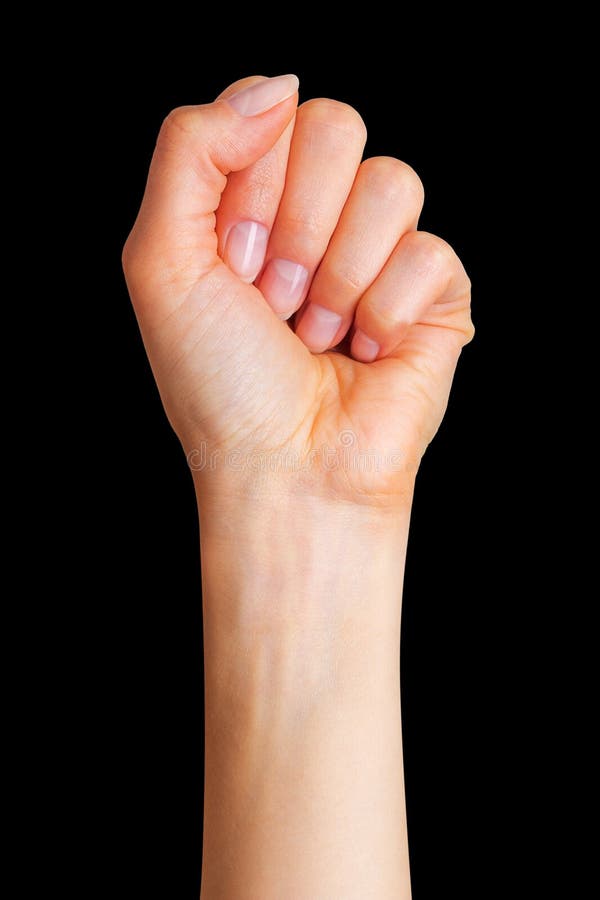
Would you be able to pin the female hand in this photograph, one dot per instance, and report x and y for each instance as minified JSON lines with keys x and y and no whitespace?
{"x":304,"y":434}
{"x":255,"y":210}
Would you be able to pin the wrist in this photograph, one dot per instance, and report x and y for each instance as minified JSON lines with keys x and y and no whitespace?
{"x":269,"y":540}
{"x":300,"y":591}
{"x":342,"y":471}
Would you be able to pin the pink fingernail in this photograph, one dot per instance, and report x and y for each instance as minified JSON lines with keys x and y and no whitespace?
{"x":282,"y":285}
{"x":245,"y":249}
{"x":318,"y":327}
{"x":363,"y":348}
{"x":263,"y":95}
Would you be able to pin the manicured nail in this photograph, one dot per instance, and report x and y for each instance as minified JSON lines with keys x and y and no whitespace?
{"x":363,"y":348}
{"x":245,"y":249}
{"x":282,"y":284}
{"x":318,"y":327}
{"x":263,"y":95}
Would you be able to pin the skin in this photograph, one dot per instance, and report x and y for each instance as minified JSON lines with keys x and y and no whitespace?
{"x":302,"y":549}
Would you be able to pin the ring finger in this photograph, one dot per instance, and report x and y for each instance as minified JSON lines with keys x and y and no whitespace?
{"x":385,"y":203}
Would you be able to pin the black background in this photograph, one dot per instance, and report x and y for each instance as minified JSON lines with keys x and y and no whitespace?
{"x":142,"y":639}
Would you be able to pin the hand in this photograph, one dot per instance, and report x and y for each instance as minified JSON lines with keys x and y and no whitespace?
{"x":255,"y":211}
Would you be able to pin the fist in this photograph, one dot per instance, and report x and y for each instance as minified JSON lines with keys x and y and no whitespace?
{"x":289,"y":305}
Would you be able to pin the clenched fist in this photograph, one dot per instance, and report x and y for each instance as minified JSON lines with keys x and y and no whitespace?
{"x":285,"y":295}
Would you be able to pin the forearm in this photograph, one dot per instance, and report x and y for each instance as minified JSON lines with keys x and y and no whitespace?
{"x":304,"y":784}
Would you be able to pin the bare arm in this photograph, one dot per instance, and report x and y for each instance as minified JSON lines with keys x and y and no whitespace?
{"x":304,"y":784}
{"x":303,"y":335}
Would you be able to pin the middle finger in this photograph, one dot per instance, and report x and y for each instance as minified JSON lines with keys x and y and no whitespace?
{"x":326,"y":150}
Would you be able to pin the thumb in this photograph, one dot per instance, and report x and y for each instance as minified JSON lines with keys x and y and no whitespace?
{"x":173,"y":240}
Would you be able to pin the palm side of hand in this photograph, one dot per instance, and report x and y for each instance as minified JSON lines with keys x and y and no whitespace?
{"x":331,"y":236}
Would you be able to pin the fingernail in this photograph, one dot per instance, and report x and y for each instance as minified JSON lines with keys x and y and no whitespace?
{"x":282,"y":285}
{"x":318,"y":327}
{"x":263,"y":95}
{"x":245,"y":249}
{"x":363,"y":348}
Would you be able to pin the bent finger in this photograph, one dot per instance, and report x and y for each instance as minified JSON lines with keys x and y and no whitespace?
{"x":385,"y":202}
{"x":422,"y":272}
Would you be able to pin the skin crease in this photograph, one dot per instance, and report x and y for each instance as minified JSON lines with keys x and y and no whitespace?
{"x":302,"y":565}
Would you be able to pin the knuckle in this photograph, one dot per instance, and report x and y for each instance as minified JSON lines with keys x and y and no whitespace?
{"x":260,"y":186}
{"x":301,"y":224}
{"x":432,"y":253}
{"x":336,"y":115}
{"x":380,"y":319}
{"x":180,"y":121}
{"x":392,"y":180}
{"x":346,"y":277}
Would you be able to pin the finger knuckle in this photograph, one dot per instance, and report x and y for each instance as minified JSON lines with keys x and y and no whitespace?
{"x":431,"y":253}
{"x":336,"y":115}
{"x":178,"y":122}
{"x":393,"y":180}
{"x":260,"y":186}
{"x":346,"y":277}
{"x":302,"y":225}
{"x":380,"y":318}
